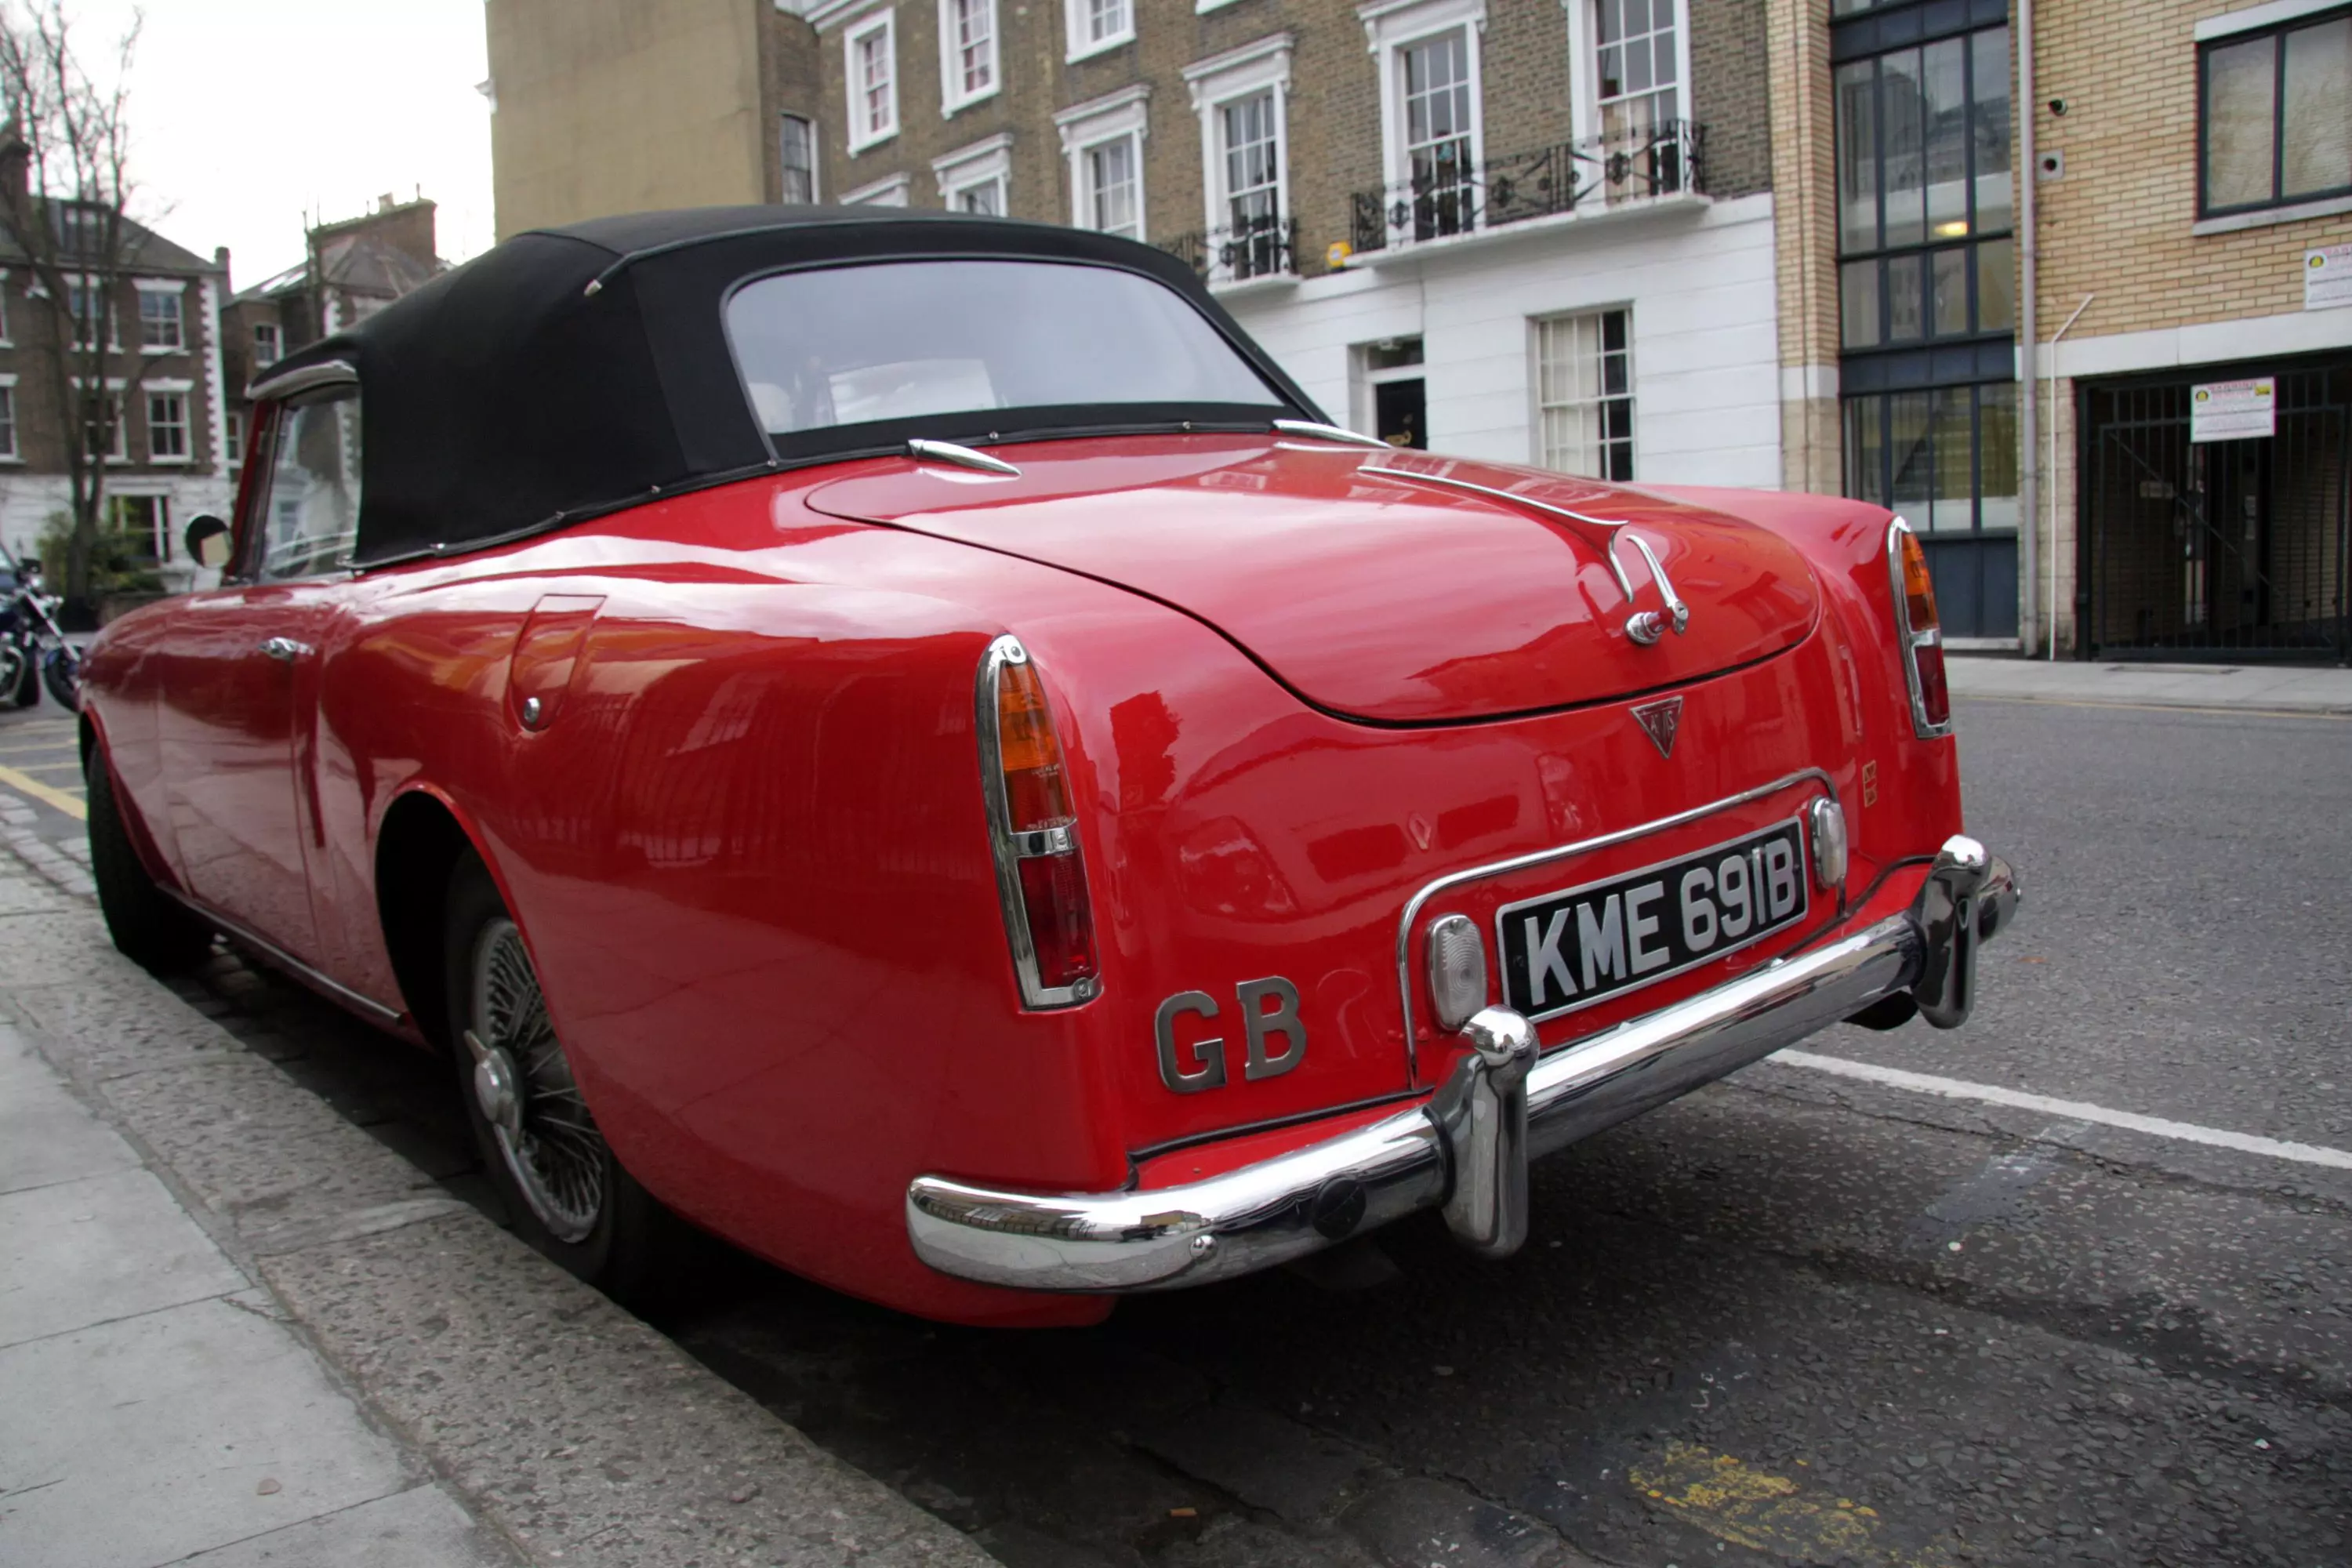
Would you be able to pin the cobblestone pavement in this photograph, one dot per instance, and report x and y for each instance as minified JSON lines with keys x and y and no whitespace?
{"x":1796,"y":1318}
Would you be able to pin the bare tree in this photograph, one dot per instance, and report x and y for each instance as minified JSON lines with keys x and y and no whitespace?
{"x":64,"y":187}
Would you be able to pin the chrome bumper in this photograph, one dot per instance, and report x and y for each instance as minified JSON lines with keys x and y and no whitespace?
{"x":1467,"y":1147}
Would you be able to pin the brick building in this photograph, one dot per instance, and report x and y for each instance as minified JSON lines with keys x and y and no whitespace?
{"x":1521,"y":229}
{"x":2175,"y":169}
{"x":161,"y":313}
{"x":349,"y":270}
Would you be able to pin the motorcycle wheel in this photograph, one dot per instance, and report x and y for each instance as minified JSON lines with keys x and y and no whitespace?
{"x":25,"y":691}
{"x":61,"y":673}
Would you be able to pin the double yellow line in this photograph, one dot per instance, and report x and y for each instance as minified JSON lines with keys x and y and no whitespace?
{"x":47,"y":794}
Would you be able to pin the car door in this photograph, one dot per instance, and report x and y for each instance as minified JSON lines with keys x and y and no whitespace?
{"x":241,"y":689}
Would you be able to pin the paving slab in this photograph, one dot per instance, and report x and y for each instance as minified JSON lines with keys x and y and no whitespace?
{"x":146,"y":1439}
{"x":420,"y":1528}
{"x":46,"y":1136}
{"x":108,"y":1247}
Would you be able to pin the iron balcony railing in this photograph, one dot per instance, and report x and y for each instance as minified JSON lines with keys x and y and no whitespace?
{"x":1449,"y":195}
{"x":1250,"y":247}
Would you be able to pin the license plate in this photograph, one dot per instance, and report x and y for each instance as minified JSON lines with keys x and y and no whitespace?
{"x":1569,"y":950}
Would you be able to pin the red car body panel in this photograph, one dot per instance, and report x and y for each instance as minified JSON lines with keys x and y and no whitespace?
{"x":746,"y":842}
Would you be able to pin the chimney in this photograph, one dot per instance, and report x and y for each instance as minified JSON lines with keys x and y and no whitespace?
{"x":220,"y":260}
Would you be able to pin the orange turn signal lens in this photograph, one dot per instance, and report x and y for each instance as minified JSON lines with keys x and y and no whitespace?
{"x":1918,"y":589}
{"x":1041,"y":874}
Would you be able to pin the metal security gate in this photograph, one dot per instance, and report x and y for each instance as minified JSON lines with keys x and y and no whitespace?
{"x":2222,"y":549}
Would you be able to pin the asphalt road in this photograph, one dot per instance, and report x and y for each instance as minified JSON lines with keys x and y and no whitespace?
{"x":1798,"y":1317}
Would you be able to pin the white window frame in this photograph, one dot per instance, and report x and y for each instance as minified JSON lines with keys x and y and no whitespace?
{"x":174,"y":288}
{"x":889,"y":191}
{"x":185,"y":391}
{"x":952,"y":96}
{"x":14,"y":452}
{"x":1255,"y":67}
{"x":1537,"y":454}
{"x":7,"y":338}
{"x":1075,"y":19}
{"x":861,"y":135}
{"x":233,"y":439}
{"x":985,"y":162}
{"x":1584,"y":63}
{"x":277,"y":331}
{"x":1124,"y":114}
{"x":1389,"y":26}
{"x":115,"y":387}
{"x":85,"y":282}
{"x":1202,"y":7}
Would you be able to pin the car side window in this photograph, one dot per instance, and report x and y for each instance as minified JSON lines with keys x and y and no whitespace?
{"x":309,"y":515}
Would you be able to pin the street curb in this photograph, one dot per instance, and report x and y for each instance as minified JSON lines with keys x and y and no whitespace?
{"x":571,"y":1429}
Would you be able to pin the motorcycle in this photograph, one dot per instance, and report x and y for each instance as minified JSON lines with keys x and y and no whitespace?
{"x":34,"y":651}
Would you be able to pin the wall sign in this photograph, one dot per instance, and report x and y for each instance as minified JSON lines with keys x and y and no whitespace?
{"x":2233,"y":410}
{"x":2327,"y":277}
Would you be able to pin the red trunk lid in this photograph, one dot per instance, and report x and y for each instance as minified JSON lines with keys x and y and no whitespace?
{"x":1372,"y":594}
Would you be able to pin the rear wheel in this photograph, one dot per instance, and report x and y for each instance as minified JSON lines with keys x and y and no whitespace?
{"x":565,"y":1192}
{"x":152,"y":929}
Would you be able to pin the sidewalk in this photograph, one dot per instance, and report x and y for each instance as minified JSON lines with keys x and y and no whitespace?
{"x":2271,"y":688}
{"x":236,"y":1329}
{"x":155,"y":1406}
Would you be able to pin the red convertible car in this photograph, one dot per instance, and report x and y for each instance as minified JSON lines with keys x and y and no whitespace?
{"x":908,"y":742}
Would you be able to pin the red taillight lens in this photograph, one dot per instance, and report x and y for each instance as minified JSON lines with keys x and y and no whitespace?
{"x":1041,"y":875}
{"x":1923,"y":633}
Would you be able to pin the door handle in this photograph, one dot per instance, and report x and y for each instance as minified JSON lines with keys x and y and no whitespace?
{"x":285,"y":650}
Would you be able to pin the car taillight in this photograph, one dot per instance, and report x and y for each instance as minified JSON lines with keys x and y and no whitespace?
{"x":1040,"y":874}
{"x":1920,"y":632}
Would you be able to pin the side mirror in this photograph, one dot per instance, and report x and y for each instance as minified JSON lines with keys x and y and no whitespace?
{"x":209,"y":541}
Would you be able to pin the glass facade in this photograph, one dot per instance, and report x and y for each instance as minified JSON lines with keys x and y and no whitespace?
{"x":1927,"y":267}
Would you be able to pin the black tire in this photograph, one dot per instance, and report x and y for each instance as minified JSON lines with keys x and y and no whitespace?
{"x":633,"y":1247}
{"x":150,"y":927}
{"x":27,"y":690}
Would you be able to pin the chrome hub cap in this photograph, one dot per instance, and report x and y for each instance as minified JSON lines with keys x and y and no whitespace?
{"x":524,"y":1088}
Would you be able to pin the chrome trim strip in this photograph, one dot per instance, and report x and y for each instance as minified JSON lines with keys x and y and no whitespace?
{"x":1007,"y":853}
{"x":1325,"y":1192}
{"x":1544,"y":857}
{"x":283,"y":959}
{"x":303,"y":378}
{"x":1907,"y":641}
{"x":962,"y":457}
{"x":1328,"y":433}
{"x":1608,"y":549}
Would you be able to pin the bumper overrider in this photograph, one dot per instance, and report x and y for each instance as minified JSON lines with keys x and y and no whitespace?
{"x":1466,"y":1149}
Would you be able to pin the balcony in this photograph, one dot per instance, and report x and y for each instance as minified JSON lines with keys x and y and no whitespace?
{"x":1249,"y":248}
{"x":1449,"y":196}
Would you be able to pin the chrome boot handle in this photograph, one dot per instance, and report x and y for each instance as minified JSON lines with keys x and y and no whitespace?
{"x":1646,"y":626}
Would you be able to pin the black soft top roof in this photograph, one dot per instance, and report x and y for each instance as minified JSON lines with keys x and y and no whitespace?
{"x":574,"y":371}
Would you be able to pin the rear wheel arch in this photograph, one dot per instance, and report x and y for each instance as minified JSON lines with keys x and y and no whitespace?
{"x":418,"y":846}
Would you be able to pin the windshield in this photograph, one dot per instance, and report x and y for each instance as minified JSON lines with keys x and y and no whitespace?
{"x":905,"y":340}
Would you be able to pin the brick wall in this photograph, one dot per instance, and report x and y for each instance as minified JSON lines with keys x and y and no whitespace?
{"x":1333,"y":112}
{"x":2119,"y":223}
{"x":1804,"y":217}
{"x":1731,"y":93}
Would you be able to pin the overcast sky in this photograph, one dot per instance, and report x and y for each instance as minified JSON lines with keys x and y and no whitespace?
{"x":249,"y":114}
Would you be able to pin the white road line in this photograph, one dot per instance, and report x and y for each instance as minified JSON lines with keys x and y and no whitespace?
{"x":2074,"y":1109}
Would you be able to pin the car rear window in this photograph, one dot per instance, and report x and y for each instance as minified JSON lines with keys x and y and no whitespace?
{"x":888,"y":341}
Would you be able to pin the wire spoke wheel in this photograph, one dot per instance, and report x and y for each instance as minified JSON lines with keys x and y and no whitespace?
{"x":523,"y":1085}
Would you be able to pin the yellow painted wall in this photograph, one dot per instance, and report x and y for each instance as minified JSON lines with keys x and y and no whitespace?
{"x":612,"y":106}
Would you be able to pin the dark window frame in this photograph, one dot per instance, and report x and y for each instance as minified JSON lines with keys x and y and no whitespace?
{"x":2206,"y":50}
{"x":785,"y":167}
{"x":1881,"y":492}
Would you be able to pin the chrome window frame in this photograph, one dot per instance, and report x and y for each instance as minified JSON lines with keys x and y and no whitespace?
{"x":1009,"y":850}
{"x":1909,"y":642}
